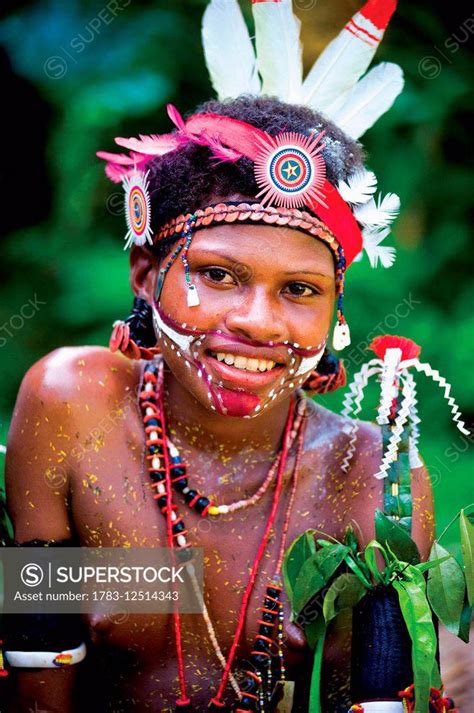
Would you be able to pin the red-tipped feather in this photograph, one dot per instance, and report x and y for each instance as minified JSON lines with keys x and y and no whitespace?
{"x":410,"y":350}
{"x":379,"y":12}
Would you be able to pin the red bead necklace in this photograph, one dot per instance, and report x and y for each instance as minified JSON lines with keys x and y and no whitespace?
{"x":167,"y":472}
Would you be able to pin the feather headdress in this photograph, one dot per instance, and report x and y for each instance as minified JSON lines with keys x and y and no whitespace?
{"x":337,"y":85}
{"x":270,"y":63}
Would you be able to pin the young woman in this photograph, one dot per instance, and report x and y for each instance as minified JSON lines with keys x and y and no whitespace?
{"x":84,"y":475}
{"x":243,"y":221}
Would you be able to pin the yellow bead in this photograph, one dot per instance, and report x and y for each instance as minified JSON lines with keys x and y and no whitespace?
{"x":213,"y":510}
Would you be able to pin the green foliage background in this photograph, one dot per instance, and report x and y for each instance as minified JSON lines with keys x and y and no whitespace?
{"x":113,"y":75}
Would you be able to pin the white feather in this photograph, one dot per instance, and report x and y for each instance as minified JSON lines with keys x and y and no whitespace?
{"x":228,"y":49}
{"x":338,"y":67}
{"x":279,"y":50}
{"x":359,"y":187}
{"x":375,"y":252}
{"x":380,"y":212}
{"x":371,"y":97}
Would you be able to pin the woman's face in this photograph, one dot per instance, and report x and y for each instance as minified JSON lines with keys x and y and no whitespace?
{"x":266,"y":303}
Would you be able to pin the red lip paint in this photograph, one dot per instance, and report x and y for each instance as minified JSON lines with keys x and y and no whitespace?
{"x":238,"y":403}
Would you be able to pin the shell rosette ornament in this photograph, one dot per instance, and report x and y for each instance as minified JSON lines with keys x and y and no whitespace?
{"x":137,"y":209}
{"x":290,"y":170}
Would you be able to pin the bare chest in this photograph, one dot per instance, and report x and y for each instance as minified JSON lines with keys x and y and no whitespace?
{"x":113,"y":506}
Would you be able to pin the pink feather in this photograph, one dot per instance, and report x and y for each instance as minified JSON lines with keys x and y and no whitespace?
{"x":226,"y":130}
{"x":115,"y":172}
{"x":175,"y":116}
{"x":118,"y":158}
{"x":153,"y":145}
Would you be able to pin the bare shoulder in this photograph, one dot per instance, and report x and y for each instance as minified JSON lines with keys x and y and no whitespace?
{"x":341,"y":457}
{"x":340,"y":434}
{"x":64,"y":394}
{"x":62,"y":398}
{"x":71,"y":374}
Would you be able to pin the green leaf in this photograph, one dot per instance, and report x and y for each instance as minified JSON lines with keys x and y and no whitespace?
{"x":344,"y":593}
{"x":371,"y":560}
{"x":350,"y":539}
{"x":467,"y":546}
{"x":398,"y":539}
{"x":465,"y":625}
{"x":324,"y":543}
{"x":356,"y":567}
{"x":300,"y":550}
{"x":314,"y":630}
{"x":436,"y":681}
{"x":425,"y":566}
{"x":329,"y":559}
{"x":310,"y":581}
{"x":417,"y":615}
{"x":446,"y":588}
{"x":315,"y":574}
{"x":315,"y":690}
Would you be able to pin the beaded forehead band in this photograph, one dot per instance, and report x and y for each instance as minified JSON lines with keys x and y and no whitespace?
{"x":289,"y":168}
{"x":243,"y":212}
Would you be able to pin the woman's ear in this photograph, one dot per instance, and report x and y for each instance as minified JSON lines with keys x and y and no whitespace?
{"x":143,"y":271}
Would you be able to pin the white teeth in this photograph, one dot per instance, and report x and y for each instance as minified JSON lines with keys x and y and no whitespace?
{"x":241,"y":362}
{"x":252,"y":364}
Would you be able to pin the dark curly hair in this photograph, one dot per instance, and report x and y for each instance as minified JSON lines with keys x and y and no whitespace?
{"x":186,"y":179}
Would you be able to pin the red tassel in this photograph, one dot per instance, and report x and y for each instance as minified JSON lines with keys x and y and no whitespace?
{"x":120,"y":340}
{"x":324,"y":383}
{"x":410,"y":350}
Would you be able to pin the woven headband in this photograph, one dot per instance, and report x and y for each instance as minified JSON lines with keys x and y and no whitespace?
{"x":249,"y":213}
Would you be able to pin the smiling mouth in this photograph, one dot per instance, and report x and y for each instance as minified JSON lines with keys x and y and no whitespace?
{"x":238,"y":372}
{"x":244,"y":363}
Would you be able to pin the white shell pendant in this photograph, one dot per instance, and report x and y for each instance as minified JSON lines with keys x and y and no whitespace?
{"x":193,"y":297}
{"x":341,"y":337}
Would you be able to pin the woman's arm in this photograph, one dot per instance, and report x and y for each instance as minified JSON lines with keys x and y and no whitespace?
{"x":37,"y":489}
{"x":423,"y":522}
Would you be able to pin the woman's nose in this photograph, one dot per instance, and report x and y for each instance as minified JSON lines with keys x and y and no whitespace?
{"x":257,"y":316}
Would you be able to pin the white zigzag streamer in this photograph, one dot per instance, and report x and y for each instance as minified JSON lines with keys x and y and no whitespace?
{"x":353,"y":403}
{"x":414,"y":421}
{"x":443,"y":384}
{"x":389,"y":390}
{"x":396,"y":436}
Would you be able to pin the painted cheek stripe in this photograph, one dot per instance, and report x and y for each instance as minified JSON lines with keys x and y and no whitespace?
{"x":183,"y":329}
{"x":187,"y":340}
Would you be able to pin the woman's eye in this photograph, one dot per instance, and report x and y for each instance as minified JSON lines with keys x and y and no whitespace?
{"x":217,"y":274}
{"x":299,"y":289}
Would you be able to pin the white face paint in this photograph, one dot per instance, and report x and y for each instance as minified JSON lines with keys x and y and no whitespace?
{"x":182,"y":341}
{"x":310,"y":363}
{"x":186,"y":346}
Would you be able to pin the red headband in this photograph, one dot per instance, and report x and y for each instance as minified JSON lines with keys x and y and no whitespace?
{"x":231,"y":139}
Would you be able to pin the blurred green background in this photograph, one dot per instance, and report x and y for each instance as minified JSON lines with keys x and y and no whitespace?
{"x":80,"y":72}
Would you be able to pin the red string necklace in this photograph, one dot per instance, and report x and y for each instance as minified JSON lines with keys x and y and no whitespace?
{"x":166,"y":472}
